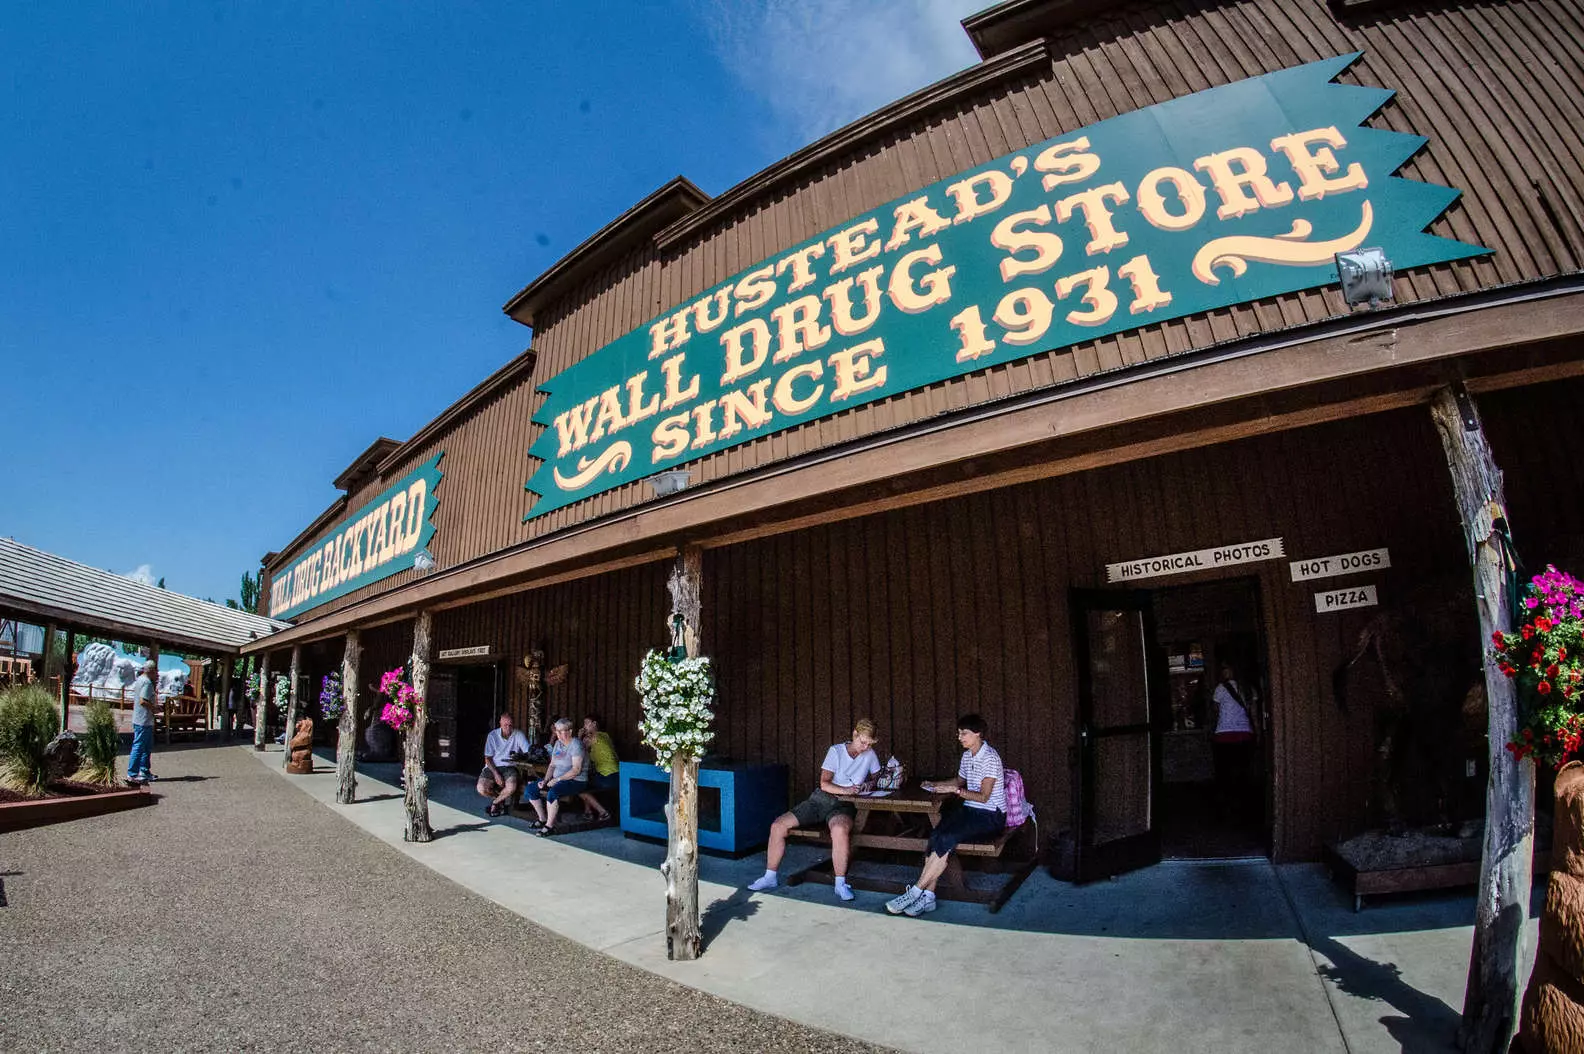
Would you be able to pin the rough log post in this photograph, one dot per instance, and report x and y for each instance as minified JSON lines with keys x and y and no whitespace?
{"x":225,"y":697}
{"x":346,"y":737}
{"x":417,"y":779}
{"x":684,"y":940}
{"x":1491,"y":999}
{"x":261,"y":708}
{"x":161,"y":706}
{"x":293,"y":702}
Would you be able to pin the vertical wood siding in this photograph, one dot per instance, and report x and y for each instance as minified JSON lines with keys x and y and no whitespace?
{"x":1497,"y":88}
{"x":915,"y":616}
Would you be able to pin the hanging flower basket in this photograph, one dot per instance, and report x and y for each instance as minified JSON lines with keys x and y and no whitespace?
{"x":403,"y":701}
{"x":332,"y":703}
{"x":282,"y":693}
{"x":677,"y":696}
{"x":255,"y":685}
{"x":1545,"y":659}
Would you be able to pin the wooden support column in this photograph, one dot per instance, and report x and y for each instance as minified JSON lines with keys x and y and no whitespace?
{"x":225,"y":696}
{"x":293,"y":702}
{"x":1493,"y":995}
{"x":684,"y":938}
{"x":416,"y":778}
{"x":161,"y":707}
{"x":67,"y":670}
{"x":261,"y":708}
{"x":346,"y":731}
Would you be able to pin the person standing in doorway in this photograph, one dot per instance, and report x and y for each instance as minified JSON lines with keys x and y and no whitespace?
{"x":1232,"y":745}
{"x":145,"y":697}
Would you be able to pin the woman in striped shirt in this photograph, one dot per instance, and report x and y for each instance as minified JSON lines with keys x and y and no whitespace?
{"x":981,"y":784}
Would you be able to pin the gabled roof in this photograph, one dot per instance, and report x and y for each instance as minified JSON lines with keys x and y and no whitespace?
{"x":39,"y":585}
{"x":1011,"y":23}
{"x":633,"y":227}
{"x":365,"y":464}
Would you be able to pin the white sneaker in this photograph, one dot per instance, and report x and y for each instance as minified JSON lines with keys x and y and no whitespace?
{"x":925,"y":902}
{"x":898,"y":904}
{"x":763,"y":882}
{"x":844,"y":891}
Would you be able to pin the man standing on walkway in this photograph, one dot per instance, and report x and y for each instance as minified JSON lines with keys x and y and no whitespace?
{"x":145,"y":696}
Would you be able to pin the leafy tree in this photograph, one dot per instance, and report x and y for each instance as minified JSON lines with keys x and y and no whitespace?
{"x":250,"y":594}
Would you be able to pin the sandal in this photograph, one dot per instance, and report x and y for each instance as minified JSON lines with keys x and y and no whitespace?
{"x":544,"y":832}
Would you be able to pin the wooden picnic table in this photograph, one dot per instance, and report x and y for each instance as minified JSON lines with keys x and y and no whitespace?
{"x":901,"y":822}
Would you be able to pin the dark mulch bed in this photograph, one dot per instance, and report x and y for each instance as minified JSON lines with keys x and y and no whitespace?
{"x":58,"y":789}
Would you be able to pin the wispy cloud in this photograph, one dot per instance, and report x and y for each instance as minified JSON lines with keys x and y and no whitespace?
{"x":819,"y":64}
{"x":142,"y":573}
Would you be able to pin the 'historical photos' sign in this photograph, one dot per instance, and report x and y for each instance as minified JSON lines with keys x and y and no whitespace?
{"x":1198,"y":560}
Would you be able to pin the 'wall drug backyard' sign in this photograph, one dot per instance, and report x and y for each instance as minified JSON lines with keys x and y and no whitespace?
{"x":375,"y":542}
{"x":1233,"y":194}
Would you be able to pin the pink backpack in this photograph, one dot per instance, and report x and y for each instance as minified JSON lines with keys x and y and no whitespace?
{"x":1018,"y":810}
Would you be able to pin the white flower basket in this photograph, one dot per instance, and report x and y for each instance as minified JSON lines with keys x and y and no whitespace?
{"x":677,"y":699}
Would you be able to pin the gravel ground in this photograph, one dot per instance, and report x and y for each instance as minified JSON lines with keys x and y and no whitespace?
{"x":239,"y":915}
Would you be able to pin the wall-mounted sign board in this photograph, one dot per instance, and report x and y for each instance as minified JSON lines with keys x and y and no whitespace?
{"x":477,"y":652}
{"x":377,"y":541}
{"x":1340,"y":564}
{"x":1198,"y":560}
{"x":1237,"y":193}
{"x":1342,"y":599}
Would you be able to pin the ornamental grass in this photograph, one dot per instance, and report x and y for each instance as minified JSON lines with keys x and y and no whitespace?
{"x":99,"y":746}
{"x":28,"y":721}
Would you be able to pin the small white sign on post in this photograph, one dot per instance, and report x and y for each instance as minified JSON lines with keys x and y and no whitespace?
{"x":1342,"y":599}
{"x":478,"y":652}
{"x":1340,"y":564}
{"x":1198,"y":560}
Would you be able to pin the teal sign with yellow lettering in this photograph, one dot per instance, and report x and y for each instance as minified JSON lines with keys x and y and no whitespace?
{"x":1237,"y":193}
{"x":380,"y":539}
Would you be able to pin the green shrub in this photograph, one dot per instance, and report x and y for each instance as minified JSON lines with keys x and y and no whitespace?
{"x":28,"y":722}
{"x":99,"y":746}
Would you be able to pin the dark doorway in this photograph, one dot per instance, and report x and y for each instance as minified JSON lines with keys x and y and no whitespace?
{"x":476,"y":713}
{"x":1216,"y":800}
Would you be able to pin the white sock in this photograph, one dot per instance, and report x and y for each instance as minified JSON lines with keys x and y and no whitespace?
{"x":767,"y":880}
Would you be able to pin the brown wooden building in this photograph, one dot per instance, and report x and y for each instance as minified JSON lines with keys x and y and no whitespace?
{"x":989,"y":541}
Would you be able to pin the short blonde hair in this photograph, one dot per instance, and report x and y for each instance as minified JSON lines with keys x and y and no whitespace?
{"x":865,"y":727}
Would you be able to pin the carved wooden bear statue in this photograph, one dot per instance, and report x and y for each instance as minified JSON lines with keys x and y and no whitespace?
{"x":1553,"y":1013}
{"x":301,"y":748}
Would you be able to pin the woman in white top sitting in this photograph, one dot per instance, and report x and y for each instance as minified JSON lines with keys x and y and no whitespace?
{"x":981,"y":784}
{"x":847,"y":770}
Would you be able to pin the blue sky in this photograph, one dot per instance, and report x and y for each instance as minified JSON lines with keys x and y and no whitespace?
{"x":238,"y":242}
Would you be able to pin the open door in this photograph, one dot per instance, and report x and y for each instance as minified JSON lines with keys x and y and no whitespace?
{"x":1121,"y":699}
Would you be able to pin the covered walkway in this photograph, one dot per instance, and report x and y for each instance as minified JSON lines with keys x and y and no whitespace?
{"x":1208,"y":956}
{"x":73,"y":600}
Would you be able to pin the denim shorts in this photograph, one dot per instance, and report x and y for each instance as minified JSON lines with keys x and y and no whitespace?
{"x":564,"y":789}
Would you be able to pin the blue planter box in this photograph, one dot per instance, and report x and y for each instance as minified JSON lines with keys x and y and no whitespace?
{"x":736,"y":803}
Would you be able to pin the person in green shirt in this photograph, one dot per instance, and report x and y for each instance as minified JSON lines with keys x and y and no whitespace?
{"x":603,"y":763}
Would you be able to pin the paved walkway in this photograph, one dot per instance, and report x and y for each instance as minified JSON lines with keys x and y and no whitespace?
{"x":239,"y":915}
{"x":1184,"y":957}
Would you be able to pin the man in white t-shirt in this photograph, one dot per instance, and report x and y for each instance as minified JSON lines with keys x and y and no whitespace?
{"x":499,"y":780}
{"x":849,"y":768}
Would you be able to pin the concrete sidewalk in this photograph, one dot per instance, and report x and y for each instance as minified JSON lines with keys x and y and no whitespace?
{"x":1184,"y":956}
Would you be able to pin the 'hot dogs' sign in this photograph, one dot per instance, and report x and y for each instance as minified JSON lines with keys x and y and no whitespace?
{"x":1236,"y":193}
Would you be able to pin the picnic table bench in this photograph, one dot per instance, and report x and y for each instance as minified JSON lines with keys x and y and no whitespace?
{"x":901,"y":836}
